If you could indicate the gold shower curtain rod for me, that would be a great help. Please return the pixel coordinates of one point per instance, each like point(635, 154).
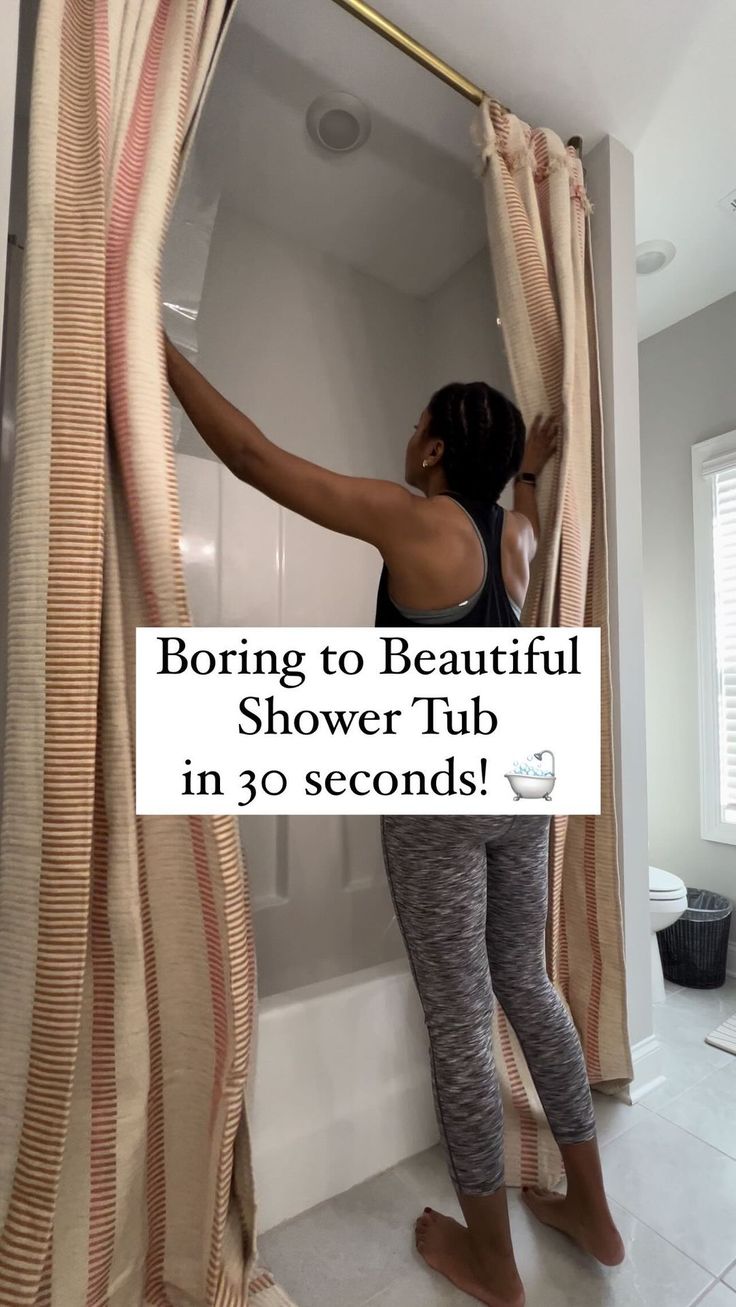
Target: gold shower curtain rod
point(421, 55)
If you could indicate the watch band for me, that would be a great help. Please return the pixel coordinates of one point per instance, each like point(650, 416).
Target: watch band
point(529, 478)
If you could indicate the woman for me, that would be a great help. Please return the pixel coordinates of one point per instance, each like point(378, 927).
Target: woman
point(470, 893)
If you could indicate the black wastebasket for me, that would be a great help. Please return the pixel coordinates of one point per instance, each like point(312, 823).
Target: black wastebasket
point(694, 951)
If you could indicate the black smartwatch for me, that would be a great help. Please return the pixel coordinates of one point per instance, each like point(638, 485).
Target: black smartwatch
point(529, 478)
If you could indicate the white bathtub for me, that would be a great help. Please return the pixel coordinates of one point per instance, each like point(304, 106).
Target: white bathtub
point(342, 1088)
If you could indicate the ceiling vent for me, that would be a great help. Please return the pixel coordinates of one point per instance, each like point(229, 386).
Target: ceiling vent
point(652, 256)
point(338, 122)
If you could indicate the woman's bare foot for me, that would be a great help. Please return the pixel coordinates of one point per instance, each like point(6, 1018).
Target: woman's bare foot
point(595, 1233)
point(446, 1246)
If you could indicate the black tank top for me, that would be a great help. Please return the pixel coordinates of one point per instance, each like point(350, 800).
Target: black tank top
point(489, 606)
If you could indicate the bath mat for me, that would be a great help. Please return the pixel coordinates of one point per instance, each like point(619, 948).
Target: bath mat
point(724, 1036)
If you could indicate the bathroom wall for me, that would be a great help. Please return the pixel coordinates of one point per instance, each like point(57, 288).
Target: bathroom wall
point(8, 64)
point(688, 393)
point(464, 335)
point(609, 171)
point(336, 366)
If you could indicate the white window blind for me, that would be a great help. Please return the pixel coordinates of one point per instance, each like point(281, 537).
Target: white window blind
point(714, 523)
point(724, 594)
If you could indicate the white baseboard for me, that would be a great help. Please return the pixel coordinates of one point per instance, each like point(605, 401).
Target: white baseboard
point(648, 1075)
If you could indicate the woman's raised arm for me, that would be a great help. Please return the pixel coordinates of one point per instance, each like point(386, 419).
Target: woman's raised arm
point(363, 507)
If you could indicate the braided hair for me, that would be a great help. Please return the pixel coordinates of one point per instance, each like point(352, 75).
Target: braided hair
point(483, 435)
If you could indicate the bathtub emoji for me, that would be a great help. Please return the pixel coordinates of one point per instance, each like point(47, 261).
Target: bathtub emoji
point(530, 781)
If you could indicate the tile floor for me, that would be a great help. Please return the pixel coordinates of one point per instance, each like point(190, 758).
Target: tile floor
point(670, 1165)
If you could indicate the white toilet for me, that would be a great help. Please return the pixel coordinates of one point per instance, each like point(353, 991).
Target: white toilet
point(667, 902)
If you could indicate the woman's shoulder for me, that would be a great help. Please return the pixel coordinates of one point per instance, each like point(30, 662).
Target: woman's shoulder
point(517, 530)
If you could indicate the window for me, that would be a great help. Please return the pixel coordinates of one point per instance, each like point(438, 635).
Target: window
point(714, 519)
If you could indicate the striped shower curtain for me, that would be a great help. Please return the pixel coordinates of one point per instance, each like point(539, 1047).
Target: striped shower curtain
point(127, 975)
point(538, 230)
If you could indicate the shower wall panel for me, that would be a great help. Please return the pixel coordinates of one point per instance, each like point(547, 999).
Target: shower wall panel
point(336, 366)
point(331, 364)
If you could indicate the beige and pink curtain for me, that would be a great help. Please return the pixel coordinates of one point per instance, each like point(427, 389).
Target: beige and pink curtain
point(538, 230)
point(127, 974)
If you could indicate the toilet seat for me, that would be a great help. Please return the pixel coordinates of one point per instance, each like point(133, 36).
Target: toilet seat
point(664, 887)
point(667, 903)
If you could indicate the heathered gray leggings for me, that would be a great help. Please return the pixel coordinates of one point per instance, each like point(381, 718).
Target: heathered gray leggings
point(470, 895)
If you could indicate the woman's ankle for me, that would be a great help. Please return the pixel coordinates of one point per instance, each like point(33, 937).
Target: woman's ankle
point(498, 1266)
point(584, 1176)
point(589, 1200)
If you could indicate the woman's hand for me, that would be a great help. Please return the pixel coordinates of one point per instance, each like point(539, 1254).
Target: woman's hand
point(541, 443)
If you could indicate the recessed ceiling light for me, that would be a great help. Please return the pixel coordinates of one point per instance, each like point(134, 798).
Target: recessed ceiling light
point(338, 122)
point(652, 256)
